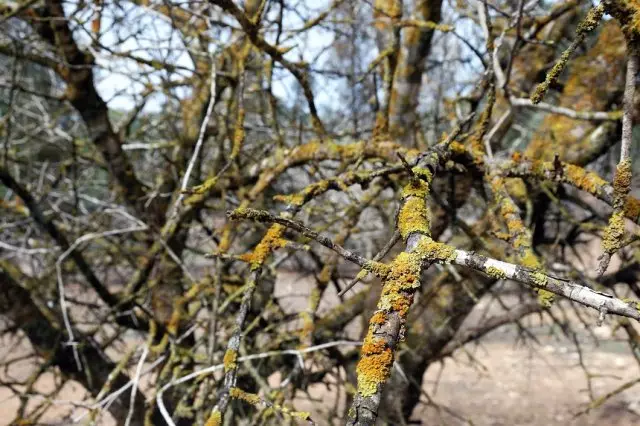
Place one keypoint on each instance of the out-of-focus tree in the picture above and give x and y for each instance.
(162, 162)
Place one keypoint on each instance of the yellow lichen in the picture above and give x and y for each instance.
(528, 259)
(215, 419)
(545, 297)
(239, 134)
(423, 173)
(378, 269)
(230, 360)
(414, 216)
(539, 279)
(583, 179)
(428, 249)
(302, 415)
(373, 370)
(517, 189)
(457, 148)
(378, 318)
(613, 233)
(622, 180)
(494, 272)
(270, 242)
(632, 209)
(293, 199)
(251, 398)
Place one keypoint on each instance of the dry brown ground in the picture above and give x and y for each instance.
(501, 382)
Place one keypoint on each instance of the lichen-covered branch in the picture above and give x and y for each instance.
(614, 232)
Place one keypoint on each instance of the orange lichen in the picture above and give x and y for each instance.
(378, 318)
(583, 179)
(372, 346)
(632, 208)
(404, 271)
(373, 370)
(271, 241)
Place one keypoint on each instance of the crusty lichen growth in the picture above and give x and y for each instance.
(375, 365)
(622, 182)
(251, 398)
(423, 173)
(179, 304)
(632, 209)
(402, 280)
(379, 269)
(239, 134)
(215, 419)
(414, 216)
(230, 360)
(376, 360)
(271, 241)
(494, 272)
(613, 233)
(307, 325)
(545, 298)
(378, 318)
(199, 192)
(428, 249)
(583, 179)
(519, 235)
(539, 279)
(612, 238)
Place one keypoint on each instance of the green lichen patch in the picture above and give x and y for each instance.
(539, 279)
(545, 297)
(494, 272)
